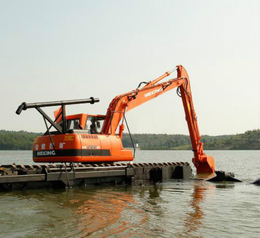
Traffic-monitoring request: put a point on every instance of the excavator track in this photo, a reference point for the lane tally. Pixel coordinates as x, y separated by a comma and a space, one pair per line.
67, 175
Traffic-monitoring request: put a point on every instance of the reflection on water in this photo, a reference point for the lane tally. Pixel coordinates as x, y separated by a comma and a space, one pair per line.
194, 219
172, 209
109, 214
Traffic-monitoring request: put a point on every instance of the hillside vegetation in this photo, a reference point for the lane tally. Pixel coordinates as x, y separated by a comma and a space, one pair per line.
16, 140
250, 140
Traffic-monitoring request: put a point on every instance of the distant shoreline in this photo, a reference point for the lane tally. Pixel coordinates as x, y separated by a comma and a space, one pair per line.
250, 140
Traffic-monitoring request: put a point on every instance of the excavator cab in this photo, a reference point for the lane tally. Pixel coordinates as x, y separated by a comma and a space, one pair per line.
90, 124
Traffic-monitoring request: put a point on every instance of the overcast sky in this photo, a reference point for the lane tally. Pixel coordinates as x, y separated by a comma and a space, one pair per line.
57, 50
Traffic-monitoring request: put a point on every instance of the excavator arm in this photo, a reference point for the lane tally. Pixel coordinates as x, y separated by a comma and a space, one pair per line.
127, 101
203, 163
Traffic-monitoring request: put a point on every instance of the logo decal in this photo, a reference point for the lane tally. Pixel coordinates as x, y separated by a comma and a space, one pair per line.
153, 92
68, 138
46, 153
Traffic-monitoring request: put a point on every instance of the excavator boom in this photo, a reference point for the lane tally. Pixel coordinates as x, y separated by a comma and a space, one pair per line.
127, 101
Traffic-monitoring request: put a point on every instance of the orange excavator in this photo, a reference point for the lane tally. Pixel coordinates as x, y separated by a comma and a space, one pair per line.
87, 138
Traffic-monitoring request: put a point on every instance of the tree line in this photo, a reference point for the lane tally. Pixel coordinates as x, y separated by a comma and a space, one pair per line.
250, 140
17, 140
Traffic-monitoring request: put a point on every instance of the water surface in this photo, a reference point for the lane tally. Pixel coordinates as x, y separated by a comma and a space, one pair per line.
170, 209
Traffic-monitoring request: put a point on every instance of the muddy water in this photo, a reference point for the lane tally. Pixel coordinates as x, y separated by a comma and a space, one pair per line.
171, 209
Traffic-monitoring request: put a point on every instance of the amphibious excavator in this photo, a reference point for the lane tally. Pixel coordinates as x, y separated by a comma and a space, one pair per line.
87, 138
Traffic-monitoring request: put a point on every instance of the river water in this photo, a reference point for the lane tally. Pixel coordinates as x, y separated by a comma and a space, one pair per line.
171, 209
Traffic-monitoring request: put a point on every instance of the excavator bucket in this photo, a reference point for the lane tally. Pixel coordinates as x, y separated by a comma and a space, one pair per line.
206, 165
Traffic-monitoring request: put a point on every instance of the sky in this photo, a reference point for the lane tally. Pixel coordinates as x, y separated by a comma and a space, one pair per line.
62, 50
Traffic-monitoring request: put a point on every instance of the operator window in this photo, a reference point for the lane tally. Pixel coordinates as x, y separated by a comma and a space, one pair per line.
94, 124
73, 124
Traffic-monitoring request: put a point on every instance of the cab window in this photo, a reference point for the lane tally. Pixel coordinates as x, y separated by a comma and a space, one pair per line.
73, 124
94, 124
